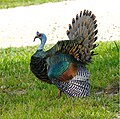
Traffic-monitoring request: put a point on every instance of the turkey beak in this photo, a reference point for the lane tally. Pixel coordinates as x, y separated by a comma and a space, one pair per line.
35, 38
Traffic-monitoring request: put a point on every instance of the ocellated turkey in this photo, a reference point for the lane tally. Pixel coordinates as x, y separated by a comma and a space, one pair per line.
64, 65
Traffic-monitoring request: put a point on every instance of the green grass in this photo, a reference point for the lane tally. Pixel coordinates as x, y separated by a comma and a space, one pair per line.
23, 96
14, 3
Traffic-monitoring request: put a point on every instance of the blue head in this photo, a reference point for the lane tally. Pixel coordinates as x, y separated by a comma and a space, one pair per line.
42, 38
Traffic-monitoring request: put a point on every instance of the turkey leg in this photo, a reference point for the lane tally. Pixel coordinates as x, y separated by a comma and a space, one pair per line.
59, 93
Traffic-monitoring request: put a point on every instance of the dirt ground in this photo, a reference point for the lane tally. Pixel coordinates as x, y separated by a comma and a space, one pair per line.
18, 25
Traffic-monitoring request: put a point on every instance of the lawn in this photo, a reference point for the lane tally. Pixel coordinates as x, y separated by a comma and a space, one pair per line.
23, 96
14, 3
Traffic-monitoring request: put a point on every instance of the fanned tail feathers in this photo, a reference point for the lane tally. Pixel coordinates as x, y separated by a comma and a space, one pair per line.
82, 35
83, 29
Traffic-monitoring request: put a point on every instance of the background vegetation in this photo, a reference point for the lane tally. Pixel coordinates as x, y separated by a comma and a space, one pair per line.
14, 3
23, 96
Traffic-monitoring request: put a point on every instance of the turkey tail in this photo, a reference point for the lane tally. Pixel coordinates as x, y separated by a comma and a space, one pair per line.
83, 27
82, 34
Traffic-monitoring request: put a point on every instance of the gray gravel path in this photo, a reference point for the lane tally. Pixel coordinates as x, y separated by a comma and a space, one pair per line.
19, 25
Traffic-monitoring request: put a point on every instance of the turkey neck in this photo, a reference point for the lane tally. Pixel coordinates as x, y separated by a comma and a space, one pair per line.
43, 41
